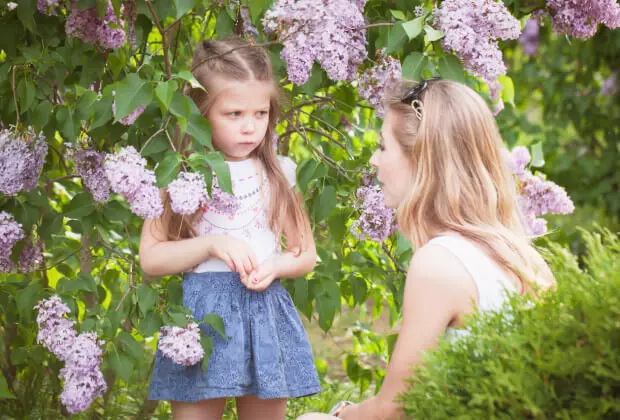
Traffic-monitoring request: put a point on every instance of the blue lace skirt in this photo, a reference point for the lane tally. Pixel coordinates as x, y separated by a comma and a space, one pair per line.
267, 355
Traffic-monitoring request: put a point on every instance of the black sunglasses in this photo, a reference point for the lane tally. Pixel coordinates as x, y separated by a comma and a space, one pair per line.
416, 91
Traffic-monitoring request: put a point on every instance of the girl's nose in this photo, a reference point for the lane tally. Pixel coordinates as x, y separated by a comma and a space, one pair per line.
248, 126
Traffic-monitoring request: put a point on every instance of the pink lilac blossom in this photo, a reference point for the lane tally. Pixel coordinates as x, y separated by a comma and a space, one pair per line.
88, 26
188, 193
31, 257
22, 156
376, 221
88, 164
372, 81
472, 29
133, 115
181, 345
81, 353
10, 232
580, 18
328, 31
127, 174
529, 37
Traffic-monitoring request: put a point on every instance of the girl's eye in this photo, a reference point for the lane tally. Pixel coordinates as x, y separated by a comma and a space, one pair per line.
262, 114
235, 113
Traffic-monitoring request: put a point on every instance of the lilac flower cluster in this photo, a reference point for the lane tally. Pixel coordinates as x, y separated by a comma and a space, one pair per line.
529, 37
376, 221
81, 353
188, 193
10, 233
248, 29
329, 31
580, 18
127, 174
22, 156
31, 257
472, 28
88, 164
88, 26
372, 81
181, 345
133, 115
537, 196
49, 7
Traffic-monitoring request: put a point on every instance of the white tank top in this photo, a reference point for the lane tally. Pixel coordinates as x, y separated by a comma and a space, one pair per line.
494, 286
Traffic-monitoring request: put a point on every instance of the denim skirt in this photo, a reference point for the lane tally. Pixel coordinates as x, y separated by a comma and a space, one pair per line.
267, 354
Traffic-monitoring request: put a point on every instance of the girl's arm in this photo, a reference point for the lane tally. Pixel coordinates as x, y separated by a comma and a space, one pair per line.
161, 257
437, 290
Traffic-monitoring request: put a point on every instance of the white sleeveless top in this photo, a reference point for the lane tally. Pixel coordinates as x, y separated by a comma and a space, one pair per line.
492, 283
250, 222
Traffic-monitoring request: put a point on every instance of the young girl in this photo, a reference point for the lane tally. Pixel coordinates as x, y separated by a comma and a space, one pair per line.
231, 263
440, 165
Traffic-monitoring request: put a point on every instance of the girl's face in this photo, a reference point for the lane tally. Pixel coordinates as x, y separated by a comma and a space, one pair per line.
239, 116
394, 171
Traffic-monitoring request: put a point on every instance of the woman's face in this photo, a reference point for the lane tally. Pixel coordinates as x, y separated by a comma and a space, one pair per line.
393, 168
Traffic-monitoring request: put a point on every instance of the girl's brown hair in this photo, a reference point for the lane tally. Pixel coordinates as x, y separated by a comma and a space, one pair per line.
460, 182
235, 60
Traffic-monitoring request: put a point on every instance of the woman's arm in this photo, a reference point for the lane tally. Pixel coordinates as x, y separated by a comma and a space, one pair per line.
437, 290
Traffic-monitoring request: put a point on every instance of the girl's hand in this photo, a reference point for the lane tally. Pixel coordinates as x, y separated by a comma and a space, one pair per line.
351, 412
235, 253
262, 277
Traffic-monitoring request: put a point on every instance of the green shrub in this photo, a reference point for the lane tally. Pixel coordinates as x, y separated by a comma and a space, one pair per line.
556, 358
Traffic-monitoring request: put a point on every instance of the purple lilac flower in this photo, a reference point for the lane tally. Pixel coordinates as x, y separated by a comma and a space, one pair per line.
517, 160
610, 87
10, 233
580, 18
56, 332
22, 156
49, 7
529, 37
188, 193
127, 174
181, 345
324, 30
88, 164
372, 82
88, 26
472, 28
133, 115
419, 10
376, 221
222, 201
248, 29
31, 257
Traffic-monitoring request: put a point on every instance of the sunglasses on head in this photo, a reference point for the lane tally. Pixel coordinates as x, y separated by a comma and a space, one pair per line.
416, 91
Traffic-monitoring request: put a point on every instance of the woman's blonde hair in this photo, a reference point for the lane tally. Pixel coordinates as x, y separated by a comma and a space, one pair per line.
235, 60
460, 182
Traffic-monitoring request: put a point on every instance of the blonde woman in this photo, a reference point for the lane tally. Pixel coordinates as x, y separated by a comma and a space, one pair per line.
440, 165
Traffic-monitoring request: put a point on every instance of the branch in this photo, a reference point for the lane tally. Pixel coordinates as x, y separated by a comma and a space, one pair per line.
15, 98
164, 39
128, 289
330, 137
375, 25
396, 264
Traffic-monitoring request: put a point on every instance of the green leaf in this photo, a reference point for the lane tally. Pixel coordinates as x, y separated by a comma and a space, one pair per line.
147, 297
130, 345
326, 203
359, 288
83, 281
198, 127
508, 91
413, 65
51, 225
85, 105
451, 68
538, 158
131, 93
102, 110
216, 322
222, 171
413, 28
224, 25
306, 173
40, 115
68, 122
158, 144
326, 310
180, 105
396, 38
5, 393
26, 92
188, 77
115, 211
207, 345
433, 34
81, 205
398, 14
168, 169
150, 324
121, 364
257, 8
165, 90
184, 6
